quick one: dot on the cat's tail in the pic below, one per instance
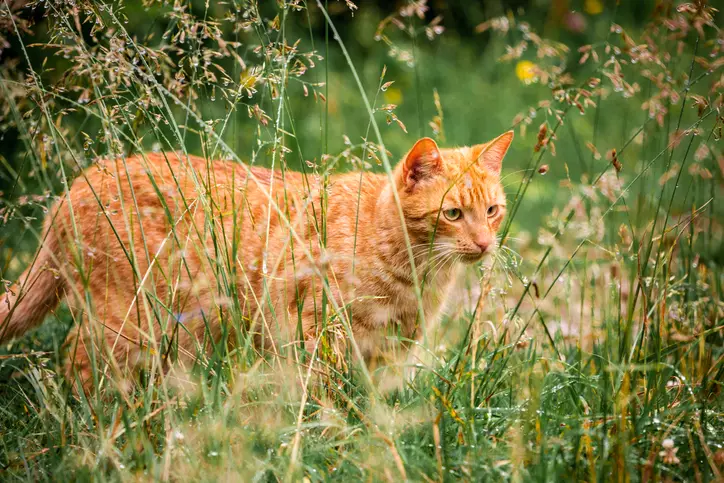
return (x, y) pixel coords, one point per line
(38, 291)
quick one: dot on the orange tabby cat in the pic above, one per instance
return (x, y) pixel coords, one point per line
(165, 247)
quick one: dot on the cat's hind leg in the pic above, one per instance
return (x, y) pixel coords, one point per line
(100, 355)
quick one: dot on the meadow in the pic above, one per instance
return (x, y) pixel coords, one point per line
(590, 347)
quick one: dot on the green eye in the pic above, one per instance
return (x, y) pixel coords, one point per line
(453, 214)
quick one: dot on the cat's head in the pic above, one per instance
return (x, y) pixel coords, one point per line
(455, 195)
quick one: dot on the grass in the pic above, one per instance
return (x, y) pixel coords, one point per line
(590, 348)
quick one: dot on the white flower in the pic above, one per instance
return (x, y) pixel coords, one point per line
(668, 455)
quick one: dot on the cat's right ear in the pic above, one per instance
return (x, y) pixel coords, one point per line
(422, 162)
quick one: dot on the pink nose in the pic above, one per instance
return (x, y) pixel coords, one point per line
(483, 243)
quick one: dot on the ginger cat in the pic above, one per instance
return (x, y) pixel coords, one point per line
(168, 247)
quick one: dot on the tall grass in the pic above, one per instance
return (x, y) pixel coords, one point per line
(589, 347)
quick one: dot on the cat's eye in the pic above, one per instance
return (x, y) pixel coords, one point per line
(492, 210)
(453, 214)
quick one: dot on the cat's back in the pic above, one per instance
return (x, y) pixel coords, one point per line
(161, 188)
(151, 178)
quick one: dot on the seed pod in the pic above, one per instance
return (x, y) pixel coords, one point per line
(614, 160)
(542, 131)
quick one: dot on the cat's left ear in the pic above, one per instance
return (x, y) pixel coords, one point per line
(491, 154)
(422, 162)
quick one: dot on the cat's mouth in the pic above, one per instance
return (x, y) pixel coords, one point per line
(471, 257)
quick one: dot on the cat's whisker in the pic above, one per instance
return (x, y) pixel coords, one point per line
(433, 251)
(432, 265)
(432, 260)
(423, 254)
(428, 259)
(454, 259)
(512, 183)
(502, 264)
(515, 172)
(443, 262)
(444, 265)
(427, 246)
(510, 251)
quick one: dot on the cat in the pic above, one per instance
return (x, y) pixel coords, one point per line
(169, 247)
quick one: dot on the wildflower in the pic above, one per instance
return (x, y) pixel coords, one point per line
(702, 152)
(542, 131)
(701, 104)
(543, 169)
(574, 22)
(593, 7)
(393, 95)
(591, 147)
(668, 455)
(434, 29)
(697, 170)
(351, 6)
(526, 71)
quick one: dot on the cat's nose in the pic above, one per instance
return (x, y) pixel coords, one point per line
(483, 243)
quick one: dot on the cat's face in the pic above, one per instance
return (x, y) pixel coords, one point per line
(453, 197)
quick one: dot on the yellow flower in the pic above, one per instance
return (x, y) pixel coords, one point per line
(393, 95)
(526, 71)
(593, 7)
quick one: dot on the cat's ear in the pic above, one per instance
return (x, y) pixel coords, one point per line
(422, 162)
(491, 154)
